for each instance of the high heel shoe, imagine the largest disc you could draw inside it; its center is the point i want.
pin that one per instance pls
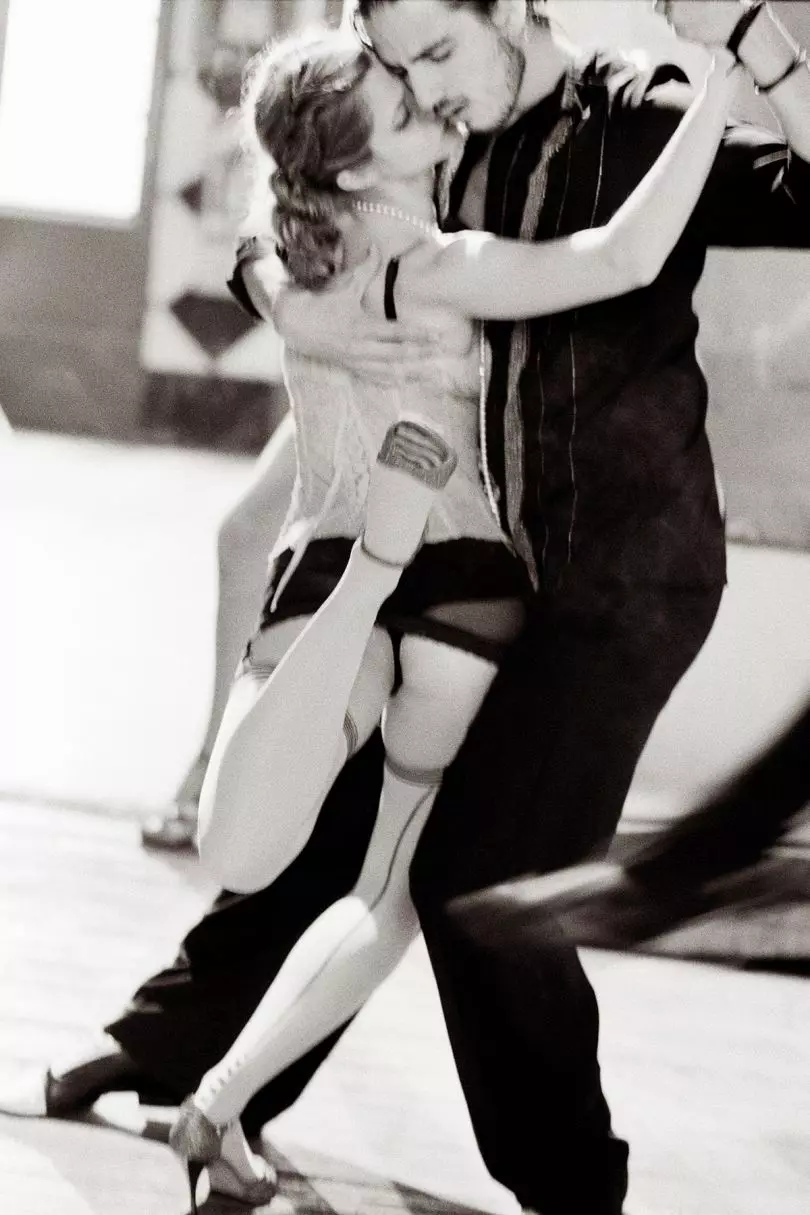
(397, 512)
(198, 1141)
(419, 451)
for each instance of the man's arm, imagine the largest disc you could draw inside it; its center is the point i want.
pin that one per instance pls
(773, 58)
(759, 191)
(778, 66)
(330, 325)
(258, 277)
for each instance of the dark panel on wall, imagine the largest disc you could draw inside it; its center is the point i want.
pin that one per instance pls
(71, 302)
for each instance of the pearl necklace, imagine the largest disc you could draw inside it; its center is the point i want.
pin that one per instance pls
(372, 208)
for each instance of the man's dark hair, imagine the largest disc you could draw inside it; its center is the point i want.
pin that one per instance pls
(482, 7)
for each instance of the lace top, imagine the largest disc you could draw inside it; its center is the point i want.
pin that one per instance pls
(340, 422)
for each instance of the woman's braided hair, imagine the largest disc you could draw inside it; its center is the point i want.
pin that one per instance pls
(305, 112)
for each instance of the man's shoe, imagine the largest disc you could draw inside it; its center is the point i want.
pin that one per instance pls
(42, 1094)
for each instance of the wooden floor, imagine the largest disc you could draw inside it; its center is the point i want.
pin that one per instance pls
(707, 1068)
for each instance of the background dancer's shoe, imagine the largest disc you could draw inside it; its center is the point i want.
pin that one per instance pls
(173, 831)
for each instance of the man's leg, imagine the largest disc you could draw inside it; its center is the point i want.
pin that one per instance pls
(182, 1020)
(539, 784)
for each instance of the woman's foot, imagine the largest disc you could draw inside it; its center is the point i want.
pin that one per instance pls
(413, 466)
(233, 1169)
(176, 829)
(241, 1167)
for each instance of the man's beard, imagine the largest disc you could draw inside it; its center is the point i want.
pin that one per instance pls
(515, 71)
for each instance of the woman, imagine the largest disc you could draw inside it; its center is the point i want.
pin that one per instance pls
(354, 168)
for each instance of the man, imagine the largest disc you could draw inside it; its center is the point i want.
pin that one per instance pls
(594, 442)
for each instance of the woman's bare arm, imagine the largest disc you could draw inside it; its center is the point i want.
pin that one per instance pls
(493, 278)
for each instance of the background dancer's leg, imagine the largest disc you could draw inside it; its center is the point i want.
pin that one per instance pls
(245, 537)
(736, 826)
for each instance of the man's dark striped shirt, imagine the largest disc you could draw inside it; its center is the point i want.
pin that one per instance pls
(595, 418)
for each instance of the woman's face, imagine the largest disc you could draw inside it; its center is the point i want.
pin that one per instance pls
(405, 142)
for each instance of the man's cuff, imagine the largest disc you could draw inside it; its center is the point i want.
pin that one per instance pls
(250, 249)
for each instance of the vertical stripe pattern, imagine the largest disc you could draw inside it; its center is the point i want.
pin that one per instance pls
(572, 347)
(513, 422)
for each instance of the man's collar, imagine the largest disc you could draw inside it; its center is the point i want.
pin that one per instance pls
(546, 117)
(564, 100)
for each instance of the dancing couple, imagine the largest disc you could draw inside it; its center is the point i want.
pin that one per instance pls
(518, 638)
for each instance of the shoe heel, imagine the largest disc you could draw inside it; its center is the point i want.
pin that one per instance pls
(418, 450)
(194, 1169)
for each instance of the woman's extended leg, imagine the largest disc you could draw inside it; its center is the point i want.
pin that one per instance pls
(291, 739)
(358, 941)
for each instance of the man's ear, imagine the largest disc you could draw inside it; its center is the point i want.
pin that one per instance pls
(352, 180)
(509, 17)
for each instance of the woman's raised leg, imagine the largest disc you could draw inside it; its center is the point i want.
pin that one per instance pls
(263, 815)
(277, 752)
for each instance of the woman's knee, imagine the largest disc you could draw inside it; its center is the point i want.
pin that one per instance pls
(226, 856)
(222, 851)
(234, 873)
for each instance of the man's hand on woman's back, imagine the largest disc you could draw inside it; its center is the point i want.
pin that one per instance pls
(334, 327)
